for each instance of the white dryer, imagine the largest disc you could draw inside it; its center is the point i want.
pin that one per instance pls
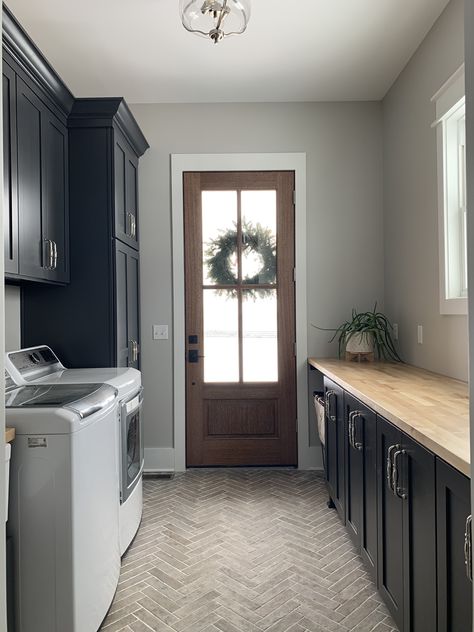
(63, 505)
(39, 365)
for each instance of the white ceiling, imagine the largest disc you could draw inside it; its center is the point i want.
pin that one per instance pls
(293, 50)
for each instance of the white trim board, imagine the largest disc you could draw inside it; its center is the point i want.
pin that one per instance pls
(181, 163)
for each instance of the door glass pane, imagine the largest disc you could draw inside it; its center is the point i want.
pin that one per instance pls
(221, 341)
(259, 336)
(133, 448)
(258, 237)
(219, 233)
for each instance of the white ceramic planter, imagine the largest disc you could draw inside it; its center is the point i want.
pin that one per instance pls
(360, 343)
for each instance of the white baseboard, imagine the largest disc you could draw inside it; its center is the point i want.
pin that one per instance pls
(159, 460)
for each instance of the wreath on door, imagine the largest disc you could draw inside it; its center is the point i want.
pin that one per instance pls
(220, 254)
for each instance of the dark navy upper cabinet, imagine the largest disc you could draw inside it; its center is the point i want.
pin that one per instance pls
(126, 191)
(122, 146)
(104, 259)
(35, 150)
(42, 190)
(10, 198)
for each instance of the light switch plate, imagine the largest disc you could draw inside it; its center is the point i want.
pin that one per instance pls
(160, 332)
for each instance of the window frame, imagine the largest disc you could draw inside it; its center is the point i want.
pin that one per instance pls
(450, 111)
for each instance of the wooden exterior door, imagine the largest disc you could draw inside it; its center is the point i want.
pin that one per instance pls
(240, 318)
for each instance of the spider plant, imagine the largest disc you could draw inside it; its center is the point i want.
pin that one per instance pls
(373, 323)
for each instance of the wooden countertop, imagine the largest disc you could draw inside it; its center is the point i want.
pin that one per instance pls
(431, 408)
(9, 435)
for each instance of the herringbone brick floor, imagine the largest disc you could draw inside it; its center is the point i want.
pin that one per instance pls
(243, 550)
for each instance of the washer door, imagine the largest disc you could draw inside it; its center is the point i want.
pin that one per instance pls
(132, 445)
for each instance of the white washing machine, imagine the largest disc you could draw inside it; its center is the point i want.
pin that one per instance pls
(63, 505)
(39, 365)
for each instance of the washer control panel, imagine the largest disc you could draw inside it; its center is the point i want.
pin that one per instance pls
(27, 365)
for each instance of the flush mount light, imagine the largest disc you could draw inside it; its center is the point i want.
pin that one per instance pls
(215, 18)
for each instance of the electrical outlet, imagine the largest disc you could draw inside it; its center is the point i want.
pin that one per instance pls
(420, 334)
(160, 332)
(395, 331)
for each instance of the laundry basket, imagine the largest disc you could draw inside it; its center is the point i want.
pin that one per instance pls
(318, 400)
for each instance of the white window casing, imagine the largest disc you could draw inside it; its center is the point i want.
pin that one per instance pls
(452, 208)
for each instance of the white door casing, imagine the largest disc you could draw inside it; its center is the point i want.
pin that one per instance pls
(181, 163)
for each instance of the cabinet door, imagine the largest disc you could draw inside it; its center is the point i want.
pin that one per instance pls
(354, 471)
(454, 587)
(55, 195)
(417, 481)
(133, 316)
(334, 449)
(361, 479)
(33, 251)
(390, 523)
(127, 314)
(10, 200)
(126, 194)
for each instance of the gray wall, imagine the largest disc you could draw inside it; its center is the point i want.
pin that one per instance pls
(411, 203)
(344, 218)
(12, 318)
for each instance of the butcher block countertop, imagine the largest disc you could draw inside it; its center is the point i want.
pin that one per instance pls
(431, 408)
(9, 435)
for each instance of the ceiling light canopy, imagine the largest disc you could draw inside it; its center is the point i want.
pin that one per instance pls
(215, 18)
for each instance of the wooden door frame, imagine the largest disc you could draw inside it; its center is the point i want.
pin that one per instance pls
(180, 163)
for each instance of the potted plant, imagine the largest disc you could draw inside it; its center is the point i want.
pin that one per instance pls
(364, 333)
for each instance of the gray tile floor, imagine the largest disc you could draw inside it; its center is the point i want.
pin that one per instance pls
(243, 550)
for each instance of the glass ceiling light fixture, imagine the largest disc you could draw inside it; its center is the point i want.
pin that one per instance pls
(215, 18)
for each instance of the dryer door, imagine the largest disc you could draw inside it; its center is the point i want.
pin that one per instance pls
(132, 445)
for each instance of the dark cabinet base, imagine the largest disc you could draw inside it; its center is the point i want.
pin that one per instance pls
(405, 511)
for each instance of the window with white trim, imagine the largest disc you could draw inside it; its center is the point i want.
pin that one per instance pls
(451, 144)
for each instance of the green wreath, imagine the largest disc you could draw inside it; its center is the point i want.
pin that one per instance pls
(220, 251)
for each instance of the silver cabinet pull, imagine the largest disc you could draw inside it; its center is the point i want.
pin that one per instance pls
(131, 228)
(396, 489)
(55, 255)
(48, 254)
(133, 350)
(468, 547)
(390, 452)
(357, 444)
(330, 394)
(350, 430)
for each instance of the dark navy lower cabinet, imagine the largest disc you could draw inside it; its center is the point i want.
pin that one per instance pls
(407, 512)
(454, 569)
(361, 479)
(407, 529)
(335, 446)
(390, 522)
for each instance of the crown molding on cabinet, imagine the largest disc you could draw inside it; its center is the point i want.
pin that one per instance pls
(25, 52)
(105, 112)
